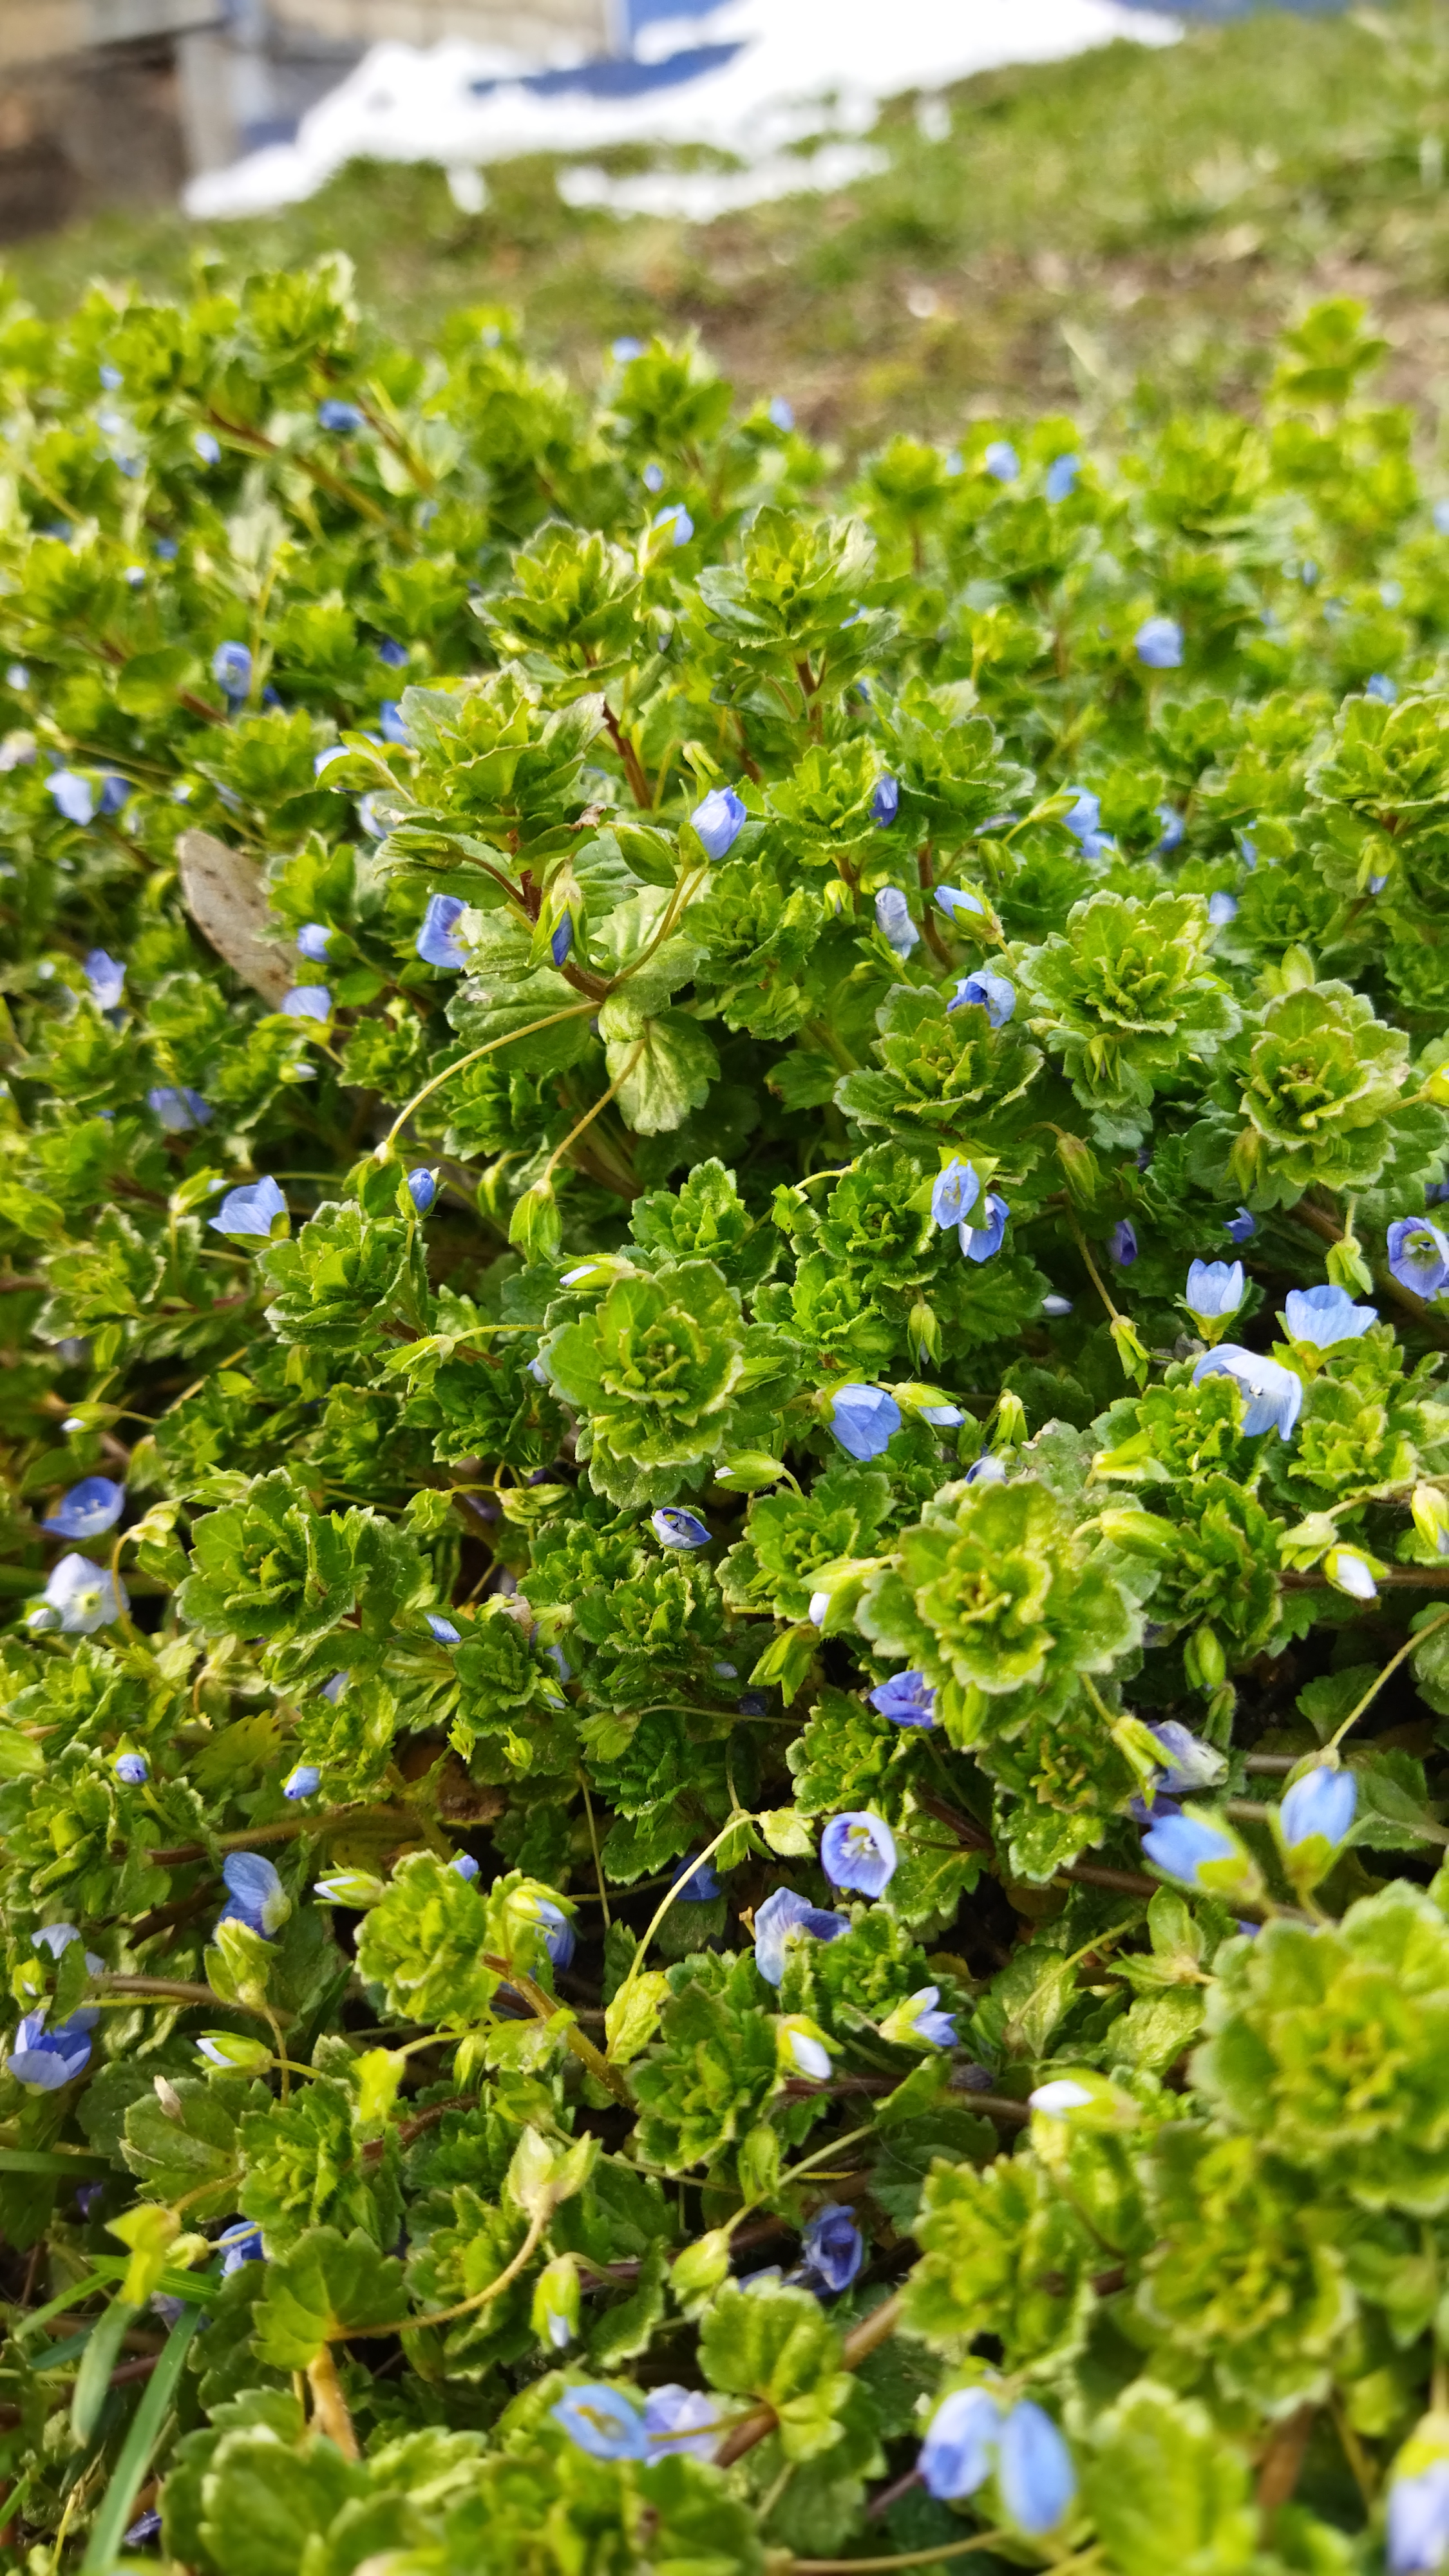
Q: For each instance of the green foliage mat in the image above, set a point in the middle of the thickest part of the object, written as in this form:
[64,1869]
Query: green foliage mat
[728,1469]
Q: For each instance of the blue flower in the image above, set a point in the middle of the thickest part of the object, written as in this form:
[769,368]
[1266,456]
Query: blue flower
[390,720]
[916,2023]
[954,1193]
[1242,1227]
[1382,688]
[718,821]
[956,2453]
[307,1002]
[1034,2469]
[893,921]
[250,1210]
[145,2527]
[681,2420]
[422,1189]
[94,1505]
[240,2243]
[131,1769]
[180,1110]
[437,941]
[834,2248]
[993,994]
[677,1528]
[79,1598]
[907,1699]
[676,517]
[207,446]
[1191,1764]
[560,1939]
[73,794]
[1061,477]
[1419,1255]
[1056,1306]
[1182,1845]
[864,1419]
[785,1918]
[986,1470]
[885,804]
[808,2055]
[979,1242]
[695,1882]
[1122,1243]
[1083,819]
[1272,1396]
[106,977]
[1418,2518]
[1173,827]
[1001,461]
[256,1895]
[303,1781]
[602,2421]
[1159,643]
[625,348]
[231,668]
[1321,1802]
[1323,1317]
[1222,908]
[464,1865]
[443,1629]
[47,2059]
[652,478]
[395,655]
[342,418]
[859,1850]
[781,414]
[954,899]
[1214,1289]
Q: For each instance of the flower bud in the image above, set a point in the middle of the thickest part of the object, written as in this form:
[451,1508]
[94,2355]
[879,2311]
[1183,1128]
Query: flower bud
[1204,1660]
[536,1228]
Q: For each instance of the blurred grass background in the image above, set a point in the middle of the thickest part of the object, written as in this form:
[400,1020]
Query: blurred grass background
[1072,232]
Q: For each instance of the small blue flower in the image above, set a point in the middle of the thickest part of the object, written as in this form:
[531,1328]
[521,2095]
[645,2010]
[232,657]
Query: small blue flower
[180,1110]
[683,2420]
[443,1629]
[781,413]
[562,940]
[1001,461]
[231,668]
[73,794]
[937,2029]
[393,728]
[437,941]
[1191,1764]
[993,994]
[907,1699]
[307,1002]
[1418,2518]
[980,1242]
[1158,641]
[785,1918]
[695,1882]
[652,478]
[106,977]
[1173,827]
[1061,477]
[395,655]
[893,920]
[303,1781]
[956,2453]
[47,2059]
[954,1193]
[676,517]
[1056,1306]
[464,1865]
[1419,1255]
[1322,1317]
[207,446]
[146,2527]
[341,418]
[602,2421]
[986,1470]
[1382,688]
[1214,1288]
[864,1419]
[1321,1802]
[1241,1227]
[625,349]
[833,2249]
[79,1598]
[251,1210]
[94,1505]
[1084,819]
[885,804]
[1222,908]
[1272,1396]
[559,1937]
[954,899]
[859,1850]
[255,1896]
[422,1189]
[240,2243]
[1122,1243]
[718,821]
[376,821]
[131,1769]
[1034,2469]
[674,1527]
[1182,1845]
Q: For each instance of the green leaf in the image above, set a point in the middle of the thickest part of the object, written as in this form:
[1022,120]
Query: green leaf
[324,2285]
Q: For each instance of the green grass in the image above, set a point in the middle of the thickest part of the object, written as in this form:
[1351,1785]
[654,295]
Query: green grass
[1085,224]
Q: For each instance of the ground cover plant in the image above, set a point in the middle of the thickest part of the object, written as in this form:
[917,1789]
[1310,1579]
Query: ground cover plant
[727,1546]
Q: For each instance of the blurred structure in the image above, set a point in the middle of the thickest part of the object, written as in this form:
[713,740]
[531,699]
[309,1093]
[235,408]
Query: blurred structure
[117,102]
